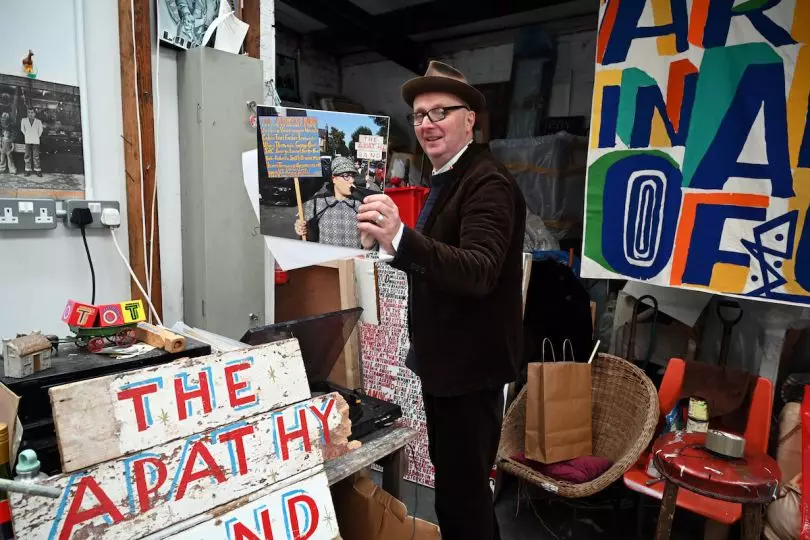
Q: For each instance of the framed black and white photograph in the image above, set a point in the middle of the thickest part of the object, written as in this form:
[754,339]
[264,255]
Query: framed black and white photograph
[41,140]
[287,78]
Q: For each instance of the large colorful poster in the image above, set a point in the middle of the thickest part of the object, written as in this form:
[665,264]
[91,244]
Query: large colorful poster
[699,159]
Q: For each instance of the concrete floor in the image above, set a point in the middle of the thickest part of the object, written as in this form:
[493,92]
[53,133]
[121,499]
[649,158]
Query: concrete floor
[584,519]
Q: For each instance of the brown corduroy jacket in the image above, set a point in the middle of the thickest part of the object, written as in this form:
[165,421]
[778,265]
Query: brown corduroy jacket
[465,271]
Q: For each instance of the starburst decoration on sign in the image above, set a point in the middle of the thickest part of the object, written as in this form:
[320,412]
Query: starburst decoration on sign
[329,518]
[272,375]
[274,476]
[164,417]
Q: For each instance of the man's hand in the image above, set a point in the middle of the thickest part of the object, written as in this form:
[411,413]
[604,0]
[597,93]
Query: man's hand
[366,240]
[382,229]
[300,227]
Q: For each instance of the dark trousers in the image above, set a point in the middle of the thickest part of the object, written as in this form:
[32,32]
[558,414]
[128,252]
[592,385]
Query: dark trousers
[463,436]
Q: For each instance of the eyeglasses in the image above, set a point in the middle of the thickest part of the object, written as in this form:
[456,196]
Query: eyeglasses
[436,115]
[345,176]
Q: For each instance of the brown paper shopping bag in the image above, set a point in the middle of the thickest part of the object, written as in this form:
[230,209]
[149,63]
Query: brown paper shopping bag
[558,409]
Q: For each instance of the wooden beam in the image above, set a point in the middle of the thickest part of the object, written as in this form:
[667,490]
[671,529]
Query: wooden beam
[137,109]
[251,14]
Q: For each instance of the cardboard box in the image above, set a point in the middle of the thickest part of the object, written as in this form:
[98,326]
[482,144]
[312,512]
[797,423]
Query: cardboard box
[367,512]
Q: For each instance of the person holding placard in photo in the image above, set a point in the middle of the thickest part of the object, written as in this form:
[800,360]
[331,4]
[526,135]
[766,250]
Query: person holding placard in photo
[330,217]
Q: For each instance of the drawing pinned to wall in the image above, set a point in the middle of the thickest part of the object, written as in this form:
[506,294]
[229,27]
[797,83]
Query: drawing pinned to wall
[41,142]
[699,161]
[183,22]
[321,157]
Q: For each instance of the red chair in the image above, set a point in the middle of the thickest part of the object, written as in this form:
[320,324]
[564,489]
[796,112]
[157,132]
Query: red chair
[756,435]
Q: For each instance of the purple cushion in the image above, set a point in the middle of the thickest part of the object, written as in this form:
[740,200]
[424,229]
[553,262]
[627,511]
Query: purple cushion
[575,471]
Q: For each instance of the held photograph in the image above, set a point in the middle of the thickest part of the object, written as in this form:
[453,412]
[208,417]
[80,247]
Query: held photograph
[41,152]
[315,167]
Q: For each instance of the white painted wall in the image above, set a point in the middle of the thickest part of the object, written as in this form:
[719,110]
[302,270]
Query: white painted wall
[164,80]
[39,271]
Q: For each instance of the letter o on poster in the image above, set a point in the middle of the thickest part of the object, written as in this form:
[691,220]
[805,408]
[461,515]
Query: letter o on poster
[642,200]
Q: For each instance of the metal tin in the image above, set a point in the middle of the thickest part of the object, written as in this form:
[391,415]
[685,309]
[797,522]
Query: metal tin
[698,416]
[725,444]
[698,409]
[696,426]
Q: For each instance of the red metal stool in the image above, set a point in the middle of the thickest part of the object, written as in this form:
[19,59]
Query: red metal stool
[684,462]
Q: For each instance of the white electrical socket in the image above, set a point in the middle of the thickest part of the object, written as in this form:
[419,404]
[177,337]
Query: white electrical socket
[8,216]
[43,216]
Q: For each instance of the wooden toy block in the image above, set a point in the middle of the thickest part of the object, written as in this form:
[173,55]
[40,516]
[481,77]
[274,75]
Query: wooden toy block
[133,311]
[79,315]
[111,315]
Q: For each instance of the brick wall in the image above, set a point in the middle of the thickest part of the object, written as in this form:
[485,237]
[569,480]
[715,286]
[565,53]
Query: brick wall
[318,71]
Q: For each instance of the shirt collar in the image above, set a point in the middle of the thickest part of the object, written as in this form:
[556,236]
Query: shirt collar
[449,165]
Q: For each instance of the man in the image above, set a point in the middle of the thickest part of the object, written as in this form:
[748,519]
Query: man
[31,128]
[6,145]
[334,212]
[57,129]
[464,262]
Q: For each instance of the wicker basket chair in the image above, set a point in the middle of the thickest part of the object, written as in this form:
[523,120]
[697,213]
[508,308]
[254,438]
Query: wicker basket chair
[625,415]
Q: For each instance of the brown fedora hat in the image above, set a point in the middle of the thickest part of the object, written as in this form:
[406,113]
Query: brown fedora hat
[441,77]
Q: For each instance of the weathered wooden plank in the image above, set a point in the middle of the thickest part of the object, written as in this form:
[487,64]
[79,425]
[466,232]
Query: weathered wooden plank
[300,509]
[101,419]
[179,526]
[141,494]
[377,446]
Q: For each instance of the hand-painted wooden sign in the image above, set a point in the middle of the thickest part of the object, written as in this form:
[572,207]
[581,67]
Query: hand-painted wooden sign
[145,492]
[302,510]
[100,419]
[291,146]
[699,159]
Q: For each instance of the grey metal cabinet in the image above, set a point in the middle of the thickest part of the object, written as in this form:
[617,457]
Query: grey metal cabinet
[223,251]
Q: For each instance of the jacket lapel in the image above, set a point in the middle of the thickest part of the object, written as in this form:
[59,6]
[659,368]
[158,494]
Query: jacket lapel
[454,176]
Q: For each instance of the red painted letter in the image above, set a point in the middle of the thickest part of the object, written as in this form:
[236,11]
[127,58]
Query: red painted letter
[234,387]
[203,392]
[189,475]
[76,515]
[284,438]
[323,417]
[137,394]
[241,532]
[311,509]
[141,482]
[237,436]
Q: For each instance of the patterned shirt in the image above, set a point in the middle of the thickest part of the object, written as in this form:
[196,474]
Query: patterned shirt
[337,225]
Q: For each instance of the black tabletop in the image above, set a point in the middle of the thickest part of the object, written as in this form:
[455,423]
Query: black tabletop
[73,364]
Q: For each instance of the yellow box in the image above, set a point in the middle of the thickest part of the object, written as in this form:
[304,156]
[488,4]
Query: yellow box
[133,311]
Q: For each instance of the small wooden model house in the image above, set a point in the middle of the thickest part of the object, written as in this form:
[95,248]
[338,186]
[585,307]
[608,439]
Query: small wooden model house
[25,355]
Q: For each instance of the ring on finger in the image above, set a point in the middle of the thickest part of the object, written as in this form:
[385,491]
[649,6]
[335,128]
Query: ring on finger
[379,218]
